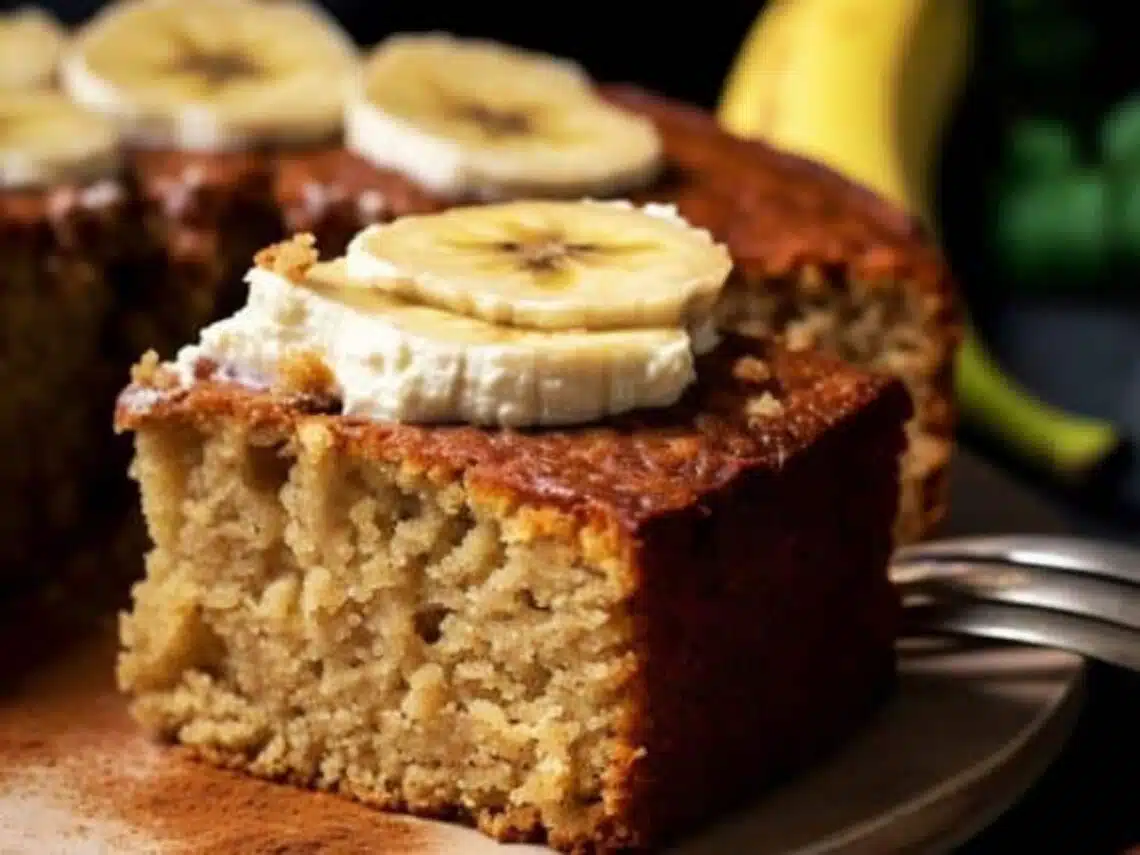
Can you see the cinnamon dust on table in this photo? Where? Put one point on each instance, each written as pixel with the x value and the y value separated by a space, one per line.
pixel 69 750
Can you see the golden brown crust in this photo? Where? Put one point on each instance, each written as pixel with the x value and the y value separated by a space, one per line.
pixel 637 466
pixel 306 374
pixel 786 633
pixel 290 258
pixel 818 215
pixel 779 213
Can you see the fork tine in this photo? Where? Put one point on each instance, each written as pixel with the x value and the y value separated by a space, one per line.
pixel 1068 554
pixel 1105 642
pixel 1088 596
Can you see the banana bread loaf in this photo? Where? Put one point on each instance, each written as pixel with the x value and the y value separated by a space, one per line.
pixel 594 636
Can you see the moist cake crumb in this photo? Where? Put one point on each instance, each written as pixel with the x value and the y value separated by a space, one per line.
pixel 151 372
pixel 752 370
pixel 765 406
pixel 305 373
pixel 290 259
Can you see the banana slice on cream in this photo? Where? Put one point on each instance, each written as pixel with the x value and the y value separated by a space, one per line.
pixel 549 265
pixel 468 118
pixel 213 75
pixel 31 41
pixel 47 140
pixel 392 360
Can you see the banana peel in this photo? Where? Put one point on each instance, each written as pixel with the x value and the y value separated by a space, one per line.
pixel 866 86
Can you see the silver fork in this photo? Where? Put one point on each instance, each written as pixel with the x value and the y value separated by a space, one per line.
pixel 1062 592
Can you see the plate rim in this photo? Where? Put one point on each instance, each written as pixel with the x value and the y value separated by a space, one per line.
pixel 1048 730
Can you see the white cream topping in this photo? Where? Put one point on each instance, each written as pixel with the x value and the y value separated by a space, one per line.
pixel 432 366
pixel 393 359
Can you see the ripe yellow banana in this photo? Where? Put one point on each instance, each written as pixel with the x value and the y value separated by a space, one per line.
pixel 863 85
pixel 866 87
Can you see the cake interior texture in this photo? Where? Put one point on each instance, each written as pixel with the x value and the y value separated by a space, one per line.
pixel 354 625
pixel 882 327
pixel 590 661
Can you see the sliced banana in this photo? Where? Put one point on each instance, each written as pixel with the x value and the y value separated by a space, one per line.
pixel 30 44
pixel 476 119
pixel 397 361
pixel 46 140
pixel 213 75
pixel 548 265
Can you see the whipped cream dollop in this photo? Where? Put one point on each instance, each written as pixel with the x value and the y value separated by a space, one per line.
pixel 391 359
pixel 395 362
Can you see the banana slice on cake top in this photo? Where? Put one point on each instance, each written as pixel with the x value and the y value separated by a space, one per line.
pixel 30 45
pixel 474 119
pixel 393 360
pixel 47 140
pixel 549 264
pixel 213 75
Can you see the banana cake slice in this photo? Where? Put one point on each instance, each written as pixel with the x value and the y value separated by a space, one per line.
pixel 597 635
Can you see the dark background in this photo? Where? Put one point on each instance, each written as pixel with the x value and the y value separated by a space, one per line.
pixel 1079 350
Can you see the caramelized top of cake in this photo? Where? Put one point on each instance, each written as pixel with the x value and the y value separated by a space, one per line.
pixel 185 180
pixel 64 207
pixel 755 407
pixel 778 212
pixel 306 178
